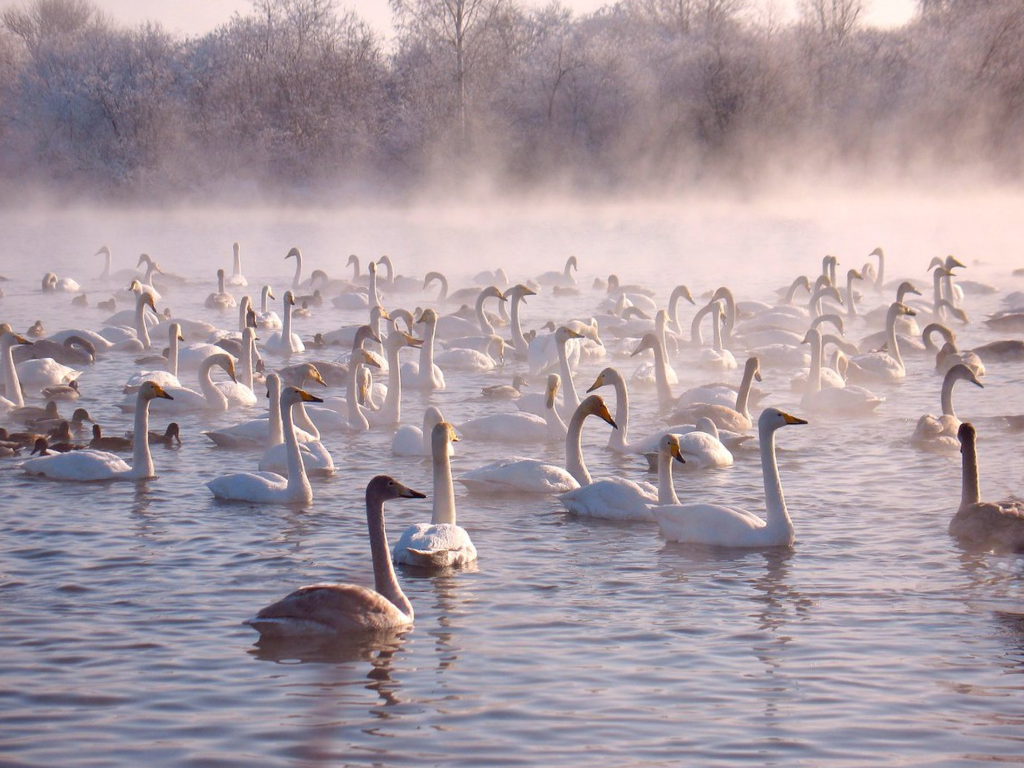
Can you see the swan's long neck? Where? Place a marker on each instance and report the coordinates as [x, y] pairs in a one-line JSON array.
[[777, 516], [264, 299], [696, 337], [286, 328], [893, 341], [150, 269], [880, 279], [947, 280], [556, 427], [518, 340], [298, 270], [427, 351], [947, 396], [851, 299], [443, 293], [618, 438], [730, 313], [298, 483], [213, 395], [569, 395], [220, 282], [971, 491], [248, 350], [11, 382], [371, 289], [383, 571], [665, 396], [716, 332], [141, 329], [172, 354], [444, 488], [574, 464], [109, 263], [356, 418], [485, 325], [814, 377], [276, 435], [743, 395], [236, 268], [937, 297], [391, 411], [673, 308], [666, 488], [142, 459], [791, 293]]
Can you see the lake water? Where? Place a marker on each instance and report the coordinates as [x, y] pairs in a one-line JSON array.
[[875, 640]]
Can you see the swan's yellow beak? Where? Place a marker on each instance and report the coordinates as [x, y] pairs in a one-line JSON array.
[[409, 493], [230, 368], [159, 391], [308, 398], [314, 374], [573, 335], [602, 411], [676, 454], [790, 419], [369, 360], [598, 382]]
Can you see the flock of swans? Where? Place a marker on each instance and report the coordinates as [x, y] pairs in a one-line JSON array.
[[800, 339]]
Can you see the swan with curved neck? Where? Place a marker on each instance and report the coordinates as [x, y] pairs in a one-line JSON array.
[[442, 543], [297, 279], [978, 524], [12, 384], [661, 378], [517, 294], [835, 399], [520, 426], [355, 396], [679, 292], [89, 465], [209, 398], [725, 526], [887, 365], [717, 356], [343, 609], [168, 378], [240, 391], [268, 487], [410, 440], [735, 419], [851, 297], [939, 433]]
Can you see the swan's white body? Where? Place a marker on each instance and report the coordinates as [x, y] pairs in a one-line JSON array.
[[410, 440], [519, 427], [91, 466], [236, 277], [284, 342], [940, 433], [425, 375], [45, 372], [261, 432], [725, 526], [846, 399], [209, 398], [883, 366], [442, 543]]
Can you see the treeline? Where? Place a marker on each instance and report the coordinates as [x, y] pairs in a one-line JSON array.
[[301, 96]]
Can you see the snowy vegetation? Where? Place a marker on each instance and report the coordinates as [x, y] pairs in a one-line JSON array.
[[301, 96]]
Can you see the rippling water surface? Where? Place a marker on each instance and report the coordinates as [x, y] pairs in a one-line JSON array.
[[875, 640]]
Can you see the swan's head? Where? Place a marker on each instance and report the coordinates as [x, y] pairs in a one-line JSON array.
[[366, 358], [683, 292], [150, 390], [904, 288], [293, 252], [551, 389], [961, 371], [382, 488], [235, 248], [49, 281], [753, 368], [853, 274], [496, 348], [594, 405], [9, 339], [670, 444], [607, 376], [564, 333], [830, 317], [273, 382], [813, 336], [431, 277], [491, 292], [572, 262], [722, 293], [613, 284], [310, 371], [428, 317], [877, 252], [268, 292], [104, 250], [898, 308], [441, 435], [519, 290], [398, 339], [385, 259], [292, 395], [966, 434], [648, 341], [224, 360], [220, 274], [289, 299], [952, 263], [773, 418]]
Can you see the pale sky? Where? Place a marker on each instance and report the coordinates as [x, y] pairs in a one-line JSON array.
[[196, 17]]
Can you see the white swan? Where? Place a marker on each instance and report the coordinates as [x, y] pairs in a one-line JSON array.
[[519, 427], [12, 384], [185, 400], [472, 360], [983, 524], [717, 357], [39, 373], [564, 278], [887, 365], [939, 433], [284, 342], [342, 609], [391, 411], [517, 295], [949, 355], [168, 378], [453, 326], [240, 391], [734, 418], [725, 526], [91, 465], [849, 399], [411, 440], [425, 375], [269, 487], [236, 277], [121, 275], [519, 474], [443, 543], [267, 318], [261, 432], [536, 403], [221, 299]]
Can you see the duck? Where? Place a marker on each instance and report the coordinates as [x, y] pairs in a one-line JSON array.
[[269, 487], [983, 525], [728, 526], [511, 391], [521, 474], [169, 438], [940, 433], [345, 609], [91, 465], [442, 543], [101, 442]]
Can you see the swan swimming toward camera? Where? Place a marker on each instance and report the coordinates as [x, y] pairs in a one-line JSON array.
[[726, 526], [940, 433], [341, 609], [441, 543]]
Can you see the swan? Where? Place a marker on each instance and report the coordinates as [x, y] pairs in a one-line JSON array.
[[511, 391], [721, 393], [91, 465], [284, 342], [391, 411], [62, 284], [397, 283], [887, 365], [45, 372], [647, 373], [734, 418], [442, 543], [316, 459], [261, 432], [120, 275], [425, 375], [846, 399], [71, 351], [221, 299], [564, 278], [613, 498], [939, 433], [949, 356], [453, 326], [267, 318], [240, 392], [726, 526], [186, 400], [12, 385], [525, 475], [701, 447], [717, 356], [341, 609], [153, 266], [516, 295], [269, 487], [236, 277], [410, 440], [678, 293], [356, 396], [360, 298], [472, 360], [168, 378], [983, 524], [1002, 351], [460, 296], [297, 280], [571, 399], [520, 427]]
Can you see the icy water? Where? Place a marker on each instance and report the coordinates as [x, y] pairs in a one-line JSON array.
[[875, 640]]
